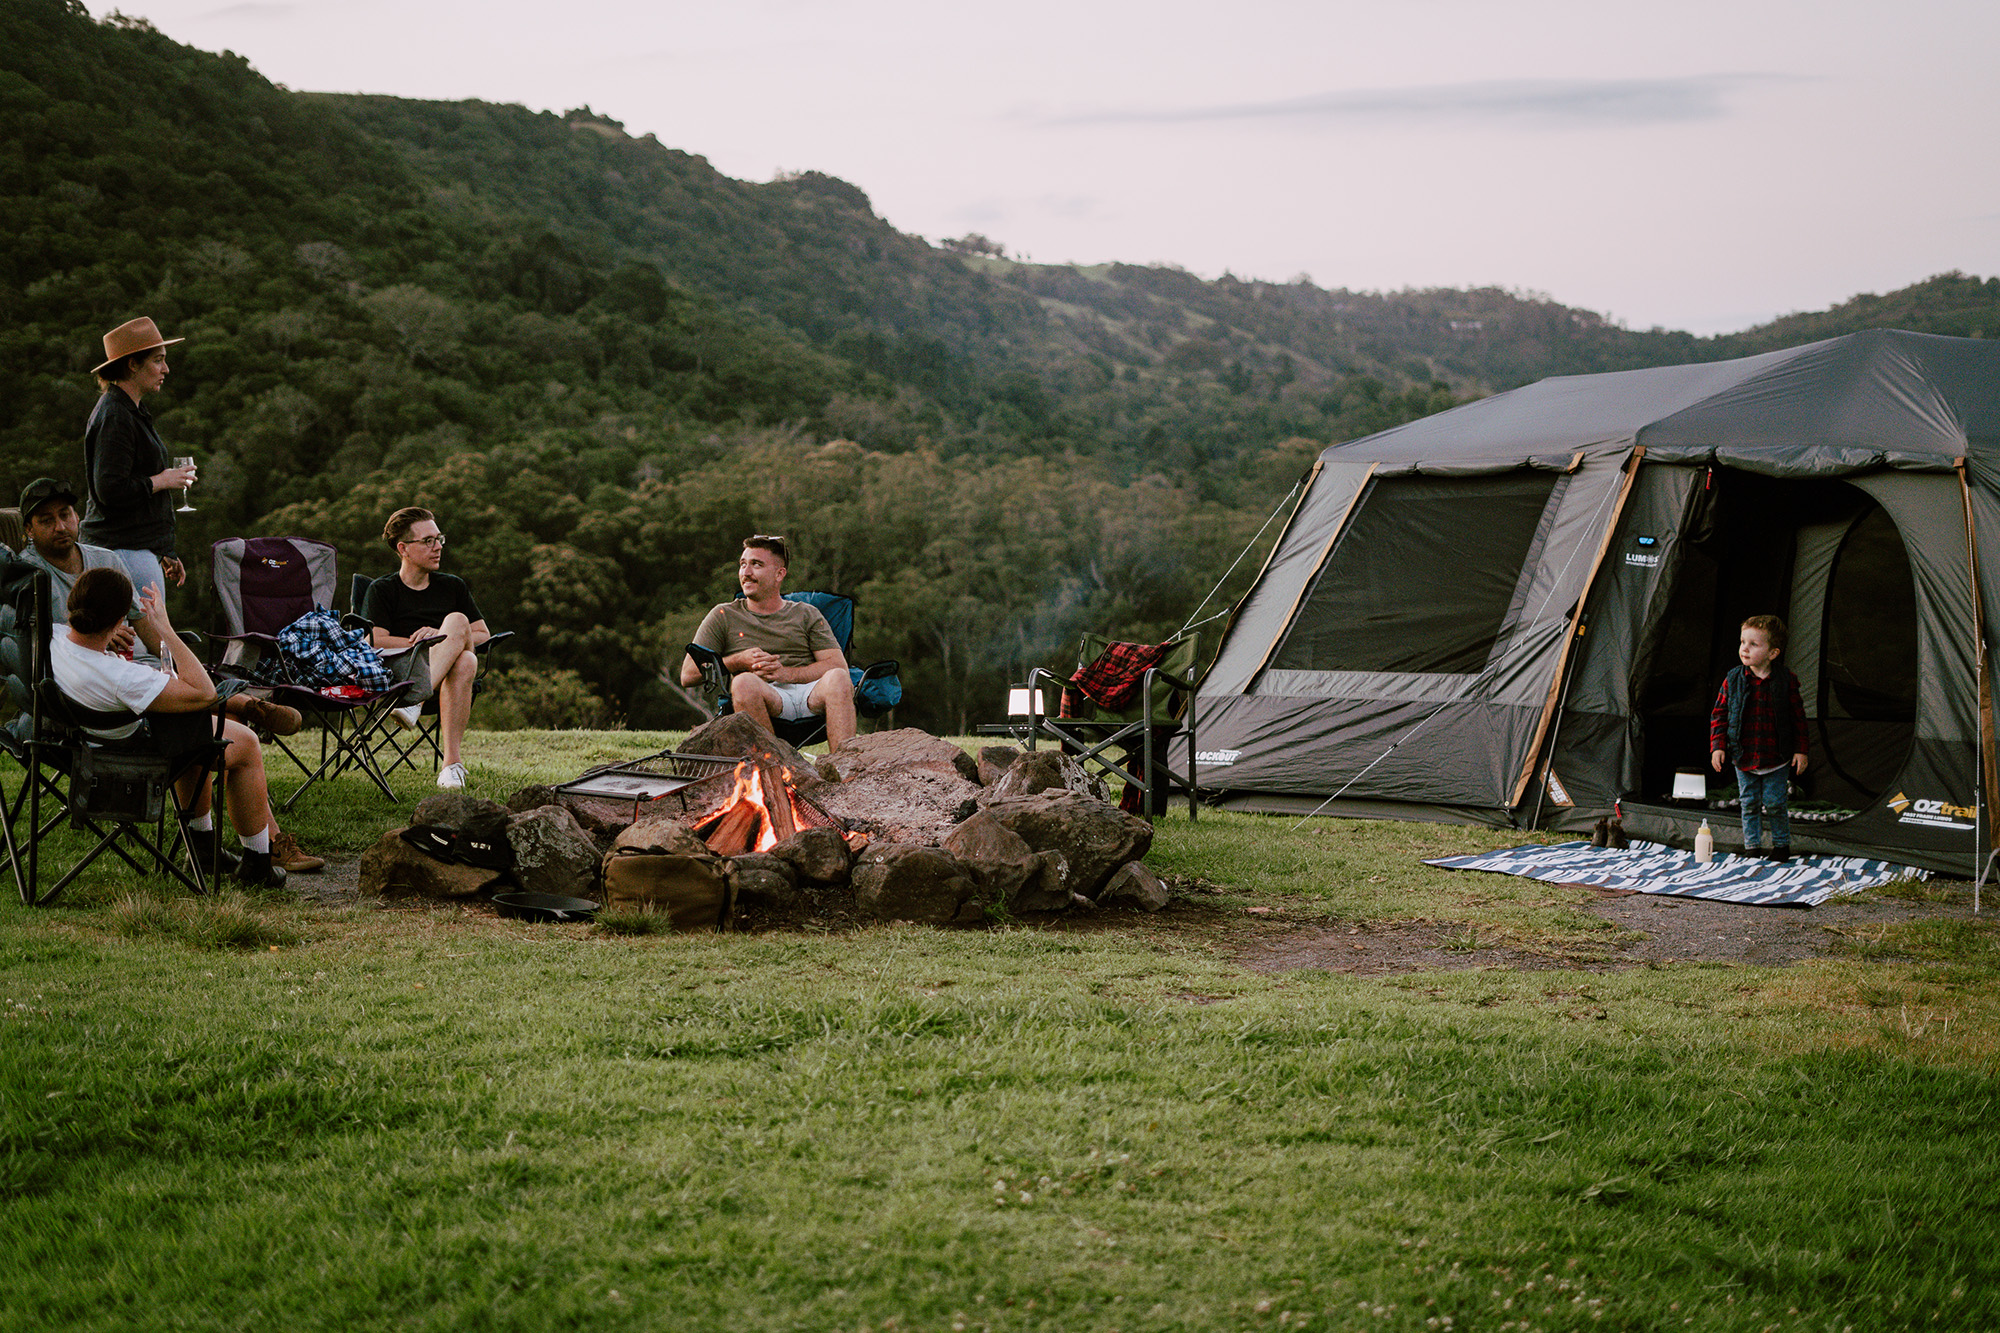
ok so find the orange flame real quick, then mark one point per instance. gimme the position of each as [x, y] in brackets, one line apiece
[750, 791]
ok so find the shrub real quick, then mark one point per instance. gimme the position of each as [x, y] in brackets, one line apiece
[533, 699]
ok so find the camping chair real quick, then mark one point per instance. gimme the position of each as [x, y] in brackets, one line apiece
[1142, 731]
[263, 585]
[114, 789]
[878, 687]
[388, 740]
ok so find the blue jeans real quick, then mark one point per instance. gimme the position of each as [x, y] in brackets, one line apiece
[144, 569]
[1765, 793]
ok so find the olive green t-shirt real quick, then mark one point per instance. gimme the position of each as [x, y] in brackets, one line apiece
[795, 634]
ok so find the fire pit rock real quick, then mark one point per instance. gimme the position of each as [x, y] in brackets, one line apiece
[995, 760]
[394, 869]
[904, 750]
[1134, 886]
[996, 858]
[464, 813]
[738, 737]
[914, 806]
[816, 855]
[552, 853]
[926, 885]
[1045, 770]
[1093, 837]
[602, 819]
[764, 885]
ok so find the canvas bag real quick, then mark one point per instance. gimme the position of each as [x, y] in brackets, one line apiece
[692, 890]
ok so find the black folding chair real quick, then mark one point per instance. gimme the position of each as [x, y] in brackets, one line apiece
[838, 608]
[388, 738]
[1130, 745]
[119, 791]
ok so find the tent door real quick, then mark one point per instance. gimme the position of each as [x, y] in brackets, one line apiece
[1826, 556]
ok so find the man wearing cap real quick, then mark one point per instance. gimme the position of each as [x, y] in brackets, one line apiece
[131, 480]
[783, 658]
[48, 513]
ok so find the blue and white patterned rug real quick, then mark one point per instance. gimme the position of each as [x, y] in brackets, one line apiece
[1651, 867]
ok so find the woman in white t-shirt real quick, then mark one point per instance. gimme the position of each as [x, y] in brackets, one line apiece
[176, 706]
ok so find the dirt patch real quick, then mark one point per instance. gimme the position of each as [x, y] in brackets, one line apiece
[337, 884]
[1652, 931]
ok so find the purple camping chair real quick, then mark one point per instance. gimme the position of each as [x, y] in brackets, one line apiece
[263, 585]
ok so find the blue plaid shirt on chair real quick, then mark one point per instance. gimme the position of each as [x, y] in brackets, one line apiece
[314, 650]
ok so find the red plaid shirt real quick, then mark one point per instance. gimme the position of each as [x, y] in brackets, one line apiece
[1111, 680]
[1762, 747]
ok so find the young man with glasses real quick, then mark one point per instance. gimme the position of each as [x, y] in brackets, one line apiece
[419, 604]
[783, 658]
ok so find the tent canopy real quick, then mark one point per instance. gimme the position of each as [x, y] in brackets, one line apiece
[1878, 399]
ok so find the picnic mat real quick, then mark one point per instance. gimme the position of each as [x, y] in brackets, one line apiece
[1651, 867]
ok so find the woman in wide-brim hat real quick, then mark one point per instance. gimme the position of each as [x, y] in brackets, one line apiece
[129, 475]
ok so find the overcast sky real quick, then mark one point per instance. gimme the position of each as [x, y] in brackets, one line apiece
[1696, 165]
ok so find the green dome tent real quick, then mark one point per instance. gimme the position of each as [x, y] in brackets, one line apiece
[1517, 612]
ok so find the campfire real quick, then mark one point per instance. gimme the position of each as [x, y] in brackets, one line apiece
[759, 811]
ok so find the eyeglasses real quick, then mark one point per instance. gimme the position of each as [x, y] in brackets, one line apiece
[435, 539]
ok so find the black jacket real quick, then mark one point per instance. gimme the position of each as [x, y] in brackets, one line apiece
[121, 455]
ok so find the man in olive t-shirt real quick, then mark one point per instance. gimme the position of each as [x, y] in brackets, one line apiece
[783, 658]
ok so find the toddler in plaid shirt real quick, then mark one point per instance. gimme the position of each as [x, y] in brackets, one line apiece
[1759, 725]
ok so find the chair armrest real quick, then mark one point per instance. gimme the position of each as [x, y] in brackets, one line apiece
[714, 675]
[491, 639]
[248, 636]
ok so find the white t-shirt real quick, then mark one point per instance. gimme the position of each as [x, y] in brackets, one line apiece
[104, 681]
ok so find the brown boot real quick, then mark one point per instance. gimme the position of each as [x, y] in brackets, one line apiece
[265, 716]
[286, 852]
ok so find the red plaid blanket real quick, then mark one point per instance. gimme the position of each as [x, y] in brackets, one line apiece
[1111, 681]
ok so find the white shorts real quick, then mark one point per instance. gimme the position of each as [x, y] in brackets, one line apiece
[792, 699]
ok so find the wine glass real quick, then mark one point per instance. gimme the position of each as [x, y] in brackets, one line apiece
[185, 460]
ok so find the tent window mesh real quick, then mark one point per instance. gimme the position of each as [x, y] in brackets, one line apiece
[1423, 577]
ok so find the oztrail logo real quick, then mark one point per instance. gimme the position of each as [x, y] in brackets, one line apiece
[1930, 812]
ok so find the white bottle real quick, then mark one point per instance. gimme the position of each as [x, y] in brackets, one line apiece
[1704, 844]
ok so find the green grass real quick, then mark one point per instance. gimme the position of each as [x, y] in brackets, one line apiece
[431, 1118]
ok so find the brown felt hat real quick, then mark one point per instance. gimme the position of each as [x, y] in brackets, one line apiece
[139, 335]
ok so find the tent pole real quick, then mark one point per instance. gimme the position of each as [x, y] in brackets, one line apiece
[1982, 780]
[1555, 727]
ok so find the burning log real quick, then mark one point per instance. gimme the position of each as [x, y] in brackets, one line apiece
[736, 832]
[759, 811]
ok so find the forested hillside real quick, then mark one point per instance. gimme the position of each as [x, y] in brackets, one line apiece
[603, 362]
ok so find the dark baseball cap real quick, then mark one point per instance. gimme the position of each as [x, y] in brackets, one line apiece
[42, 490]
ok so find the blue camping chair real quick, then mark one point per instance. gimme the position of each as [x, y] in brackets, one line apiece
[877, 686]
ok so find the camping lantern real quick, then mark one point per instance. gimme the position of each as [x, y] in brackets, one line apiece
[1017, 702]
[1690, 785]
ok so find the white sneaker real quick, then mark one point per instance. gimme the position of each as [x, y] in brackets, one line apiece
[453, 776]
[405, 719]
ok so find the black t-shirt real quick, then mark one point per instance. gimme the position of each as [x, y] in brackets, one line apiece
[394, 605]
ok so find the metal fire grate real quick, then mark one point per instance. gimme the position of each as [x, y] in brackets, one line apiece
[650, 778]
